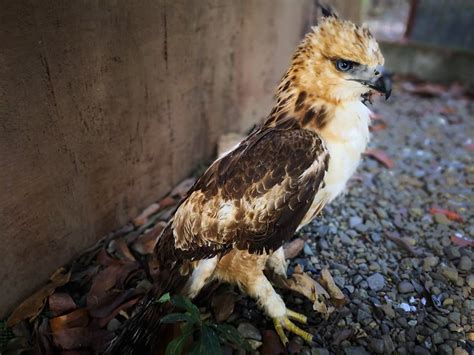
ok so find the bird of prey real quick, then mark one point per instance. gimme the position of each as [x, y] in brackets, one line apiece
[234, 220]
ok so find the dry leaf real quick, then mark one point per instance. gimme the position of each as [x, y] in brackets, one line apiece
[77, 318]
[103, 282]
[61, 303]
[293, 248]
[306, 286]
[453, 216]
[326, 280]
[147, 212]
[461, 241]
[182, 188]
[122, 251]
[146, 242]
[103, 321]
[223, 305]
[271, 343]
[381, 157]
[33, 305]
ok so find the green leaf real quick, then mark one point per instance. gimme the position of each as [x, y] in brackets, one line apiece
[175, 347]
[207, 344]
[176, 317]
[164, 298]
[186, 304]
[231, 334]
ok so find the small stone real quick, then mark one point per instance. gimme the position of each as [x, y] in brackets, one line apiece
[460, 351]
[363, 317]
[470, 280]
[319, 351]
[450, 273]
[349, 288]
[452, 253]
[445, 349]
[441, 219]
[375, 237]
[388, 310]
[376, 282]
[354, 221]
[430, 262]
[355, 350]
[377, 346]
[455, 317]
[437, 338]
[405, 287]
[465, 264]
[113, 325]
[420, 350]
[249, 331]
[307, 250]
[388, 344]
[448, 302]
[345, 239]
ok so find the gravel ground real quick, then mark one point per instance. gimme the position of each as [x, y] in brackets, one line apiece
[413, 299]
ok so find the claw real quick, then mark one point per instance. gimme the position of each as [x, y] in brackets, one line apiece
[285, 323]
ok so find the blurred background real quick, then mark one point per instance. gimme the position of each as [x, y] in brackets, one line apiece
[106, 106]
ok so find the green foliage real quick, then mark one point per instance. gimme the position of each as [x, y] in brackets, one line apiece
[205, 337]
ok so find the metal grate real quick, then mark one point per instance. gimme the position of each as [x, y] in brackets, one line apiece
[444, 23]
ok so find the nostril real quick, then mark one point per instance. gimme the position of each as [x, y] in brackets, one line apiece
[376, 72]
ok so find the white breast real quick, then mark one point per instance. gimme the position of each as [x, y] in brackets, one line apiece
[346, 138]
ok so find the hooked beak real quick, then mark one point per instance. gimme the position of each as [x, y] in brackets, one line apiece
[380, 81]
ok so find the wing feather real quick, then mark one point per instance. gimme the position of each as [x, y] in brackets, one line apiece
[254, 197]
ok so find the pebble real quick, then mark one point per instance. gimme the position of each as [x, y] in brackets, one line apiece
[405, 287]
[355, 221]
[376, 282]
[430, 262]
[450, 273]
[319, 351]
[465, 264]
[455, 317]
[470, 280]
[355, 350]
[441, 219]
[307, 250]
[377, 346]
[249, 331]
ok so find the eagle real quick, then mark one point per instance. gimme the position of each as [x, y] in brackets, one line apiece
[235, 219]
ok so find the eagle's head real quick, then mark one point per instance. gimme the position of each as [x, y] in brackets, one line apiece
[340, 61]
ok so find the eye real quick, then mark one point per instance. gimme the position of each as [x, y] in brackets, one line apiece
[344, 65]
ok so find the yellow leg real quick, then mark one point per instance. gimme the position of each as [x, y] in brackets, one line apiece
[301, 318]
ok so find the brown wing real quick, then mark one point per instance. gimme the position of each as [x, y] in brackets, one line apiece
[254, 197]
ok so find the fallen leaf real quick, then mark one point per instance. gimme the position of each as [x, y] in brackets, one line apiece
[77, 318]
[122, 251]
[341, 335]
[147, 212]
[453, 216]
[167, 202]
[293, 248]
[81, 337]
[33, 305]
[103, 321]
[61, 303]
[337, 297]
[223, 305]
[461, 241]
[381, 157]
[103, 282]
[271, 343]
[405, 243]
[146, 243]
[303, 283]
[182, 188]
[377, 127]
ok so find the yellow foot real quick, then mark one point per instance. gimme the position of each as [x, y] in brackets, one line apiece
[282, 323]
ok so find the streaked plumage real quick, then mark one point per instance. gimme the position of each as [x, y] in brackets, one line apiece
[239, 213]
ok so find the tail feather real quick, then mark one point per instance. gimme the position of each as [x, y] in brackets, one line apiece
[143, 334]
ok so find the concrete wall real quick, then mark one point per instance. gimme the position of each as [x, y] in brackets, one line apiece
[104, 106]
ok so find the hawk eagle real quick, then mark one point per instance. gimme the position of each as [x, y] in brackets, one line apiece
[234, 220]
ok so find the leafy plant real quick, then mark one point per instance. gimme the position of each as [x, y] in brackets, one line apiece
[206, 335]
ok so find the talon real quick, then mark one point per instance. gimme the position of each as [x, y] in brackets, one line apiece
[280, 331]
[285, 323]
[301, 318]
